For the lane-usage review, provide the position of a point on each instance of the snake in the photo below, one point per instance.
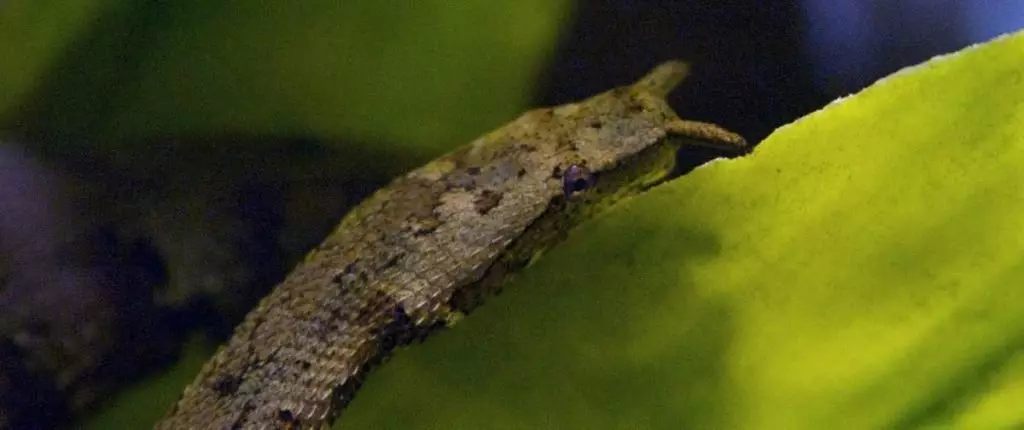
(422, 252)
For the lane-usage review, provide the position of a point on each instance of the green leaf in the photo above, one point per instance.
(862, 269)
(422, 74)
(33, 33)
(419, 76)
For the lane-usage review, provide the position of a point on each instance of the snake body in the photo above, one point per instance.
(429, 247)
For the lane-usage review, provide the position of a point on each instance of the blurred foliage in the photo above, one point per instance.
(173, 94)
(860, 270)
(32, 36)
(421, 75)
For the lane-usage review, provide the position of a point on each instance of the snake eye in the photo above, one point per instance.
(576, 179)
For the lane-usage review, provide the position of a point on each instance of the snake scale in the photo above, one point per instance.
(429, 247)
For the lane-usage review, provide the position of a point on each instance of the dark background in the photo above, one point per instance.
(110, 234)
(759, 65)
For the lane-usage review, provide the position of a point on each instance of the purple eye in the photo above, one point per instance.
(576, 179)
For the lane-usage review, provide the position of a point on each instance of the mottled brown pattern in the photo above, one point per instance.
(429, 247)
(487, 200)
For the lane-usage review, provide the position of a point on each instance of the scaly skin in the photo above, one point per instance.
(429, 247)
